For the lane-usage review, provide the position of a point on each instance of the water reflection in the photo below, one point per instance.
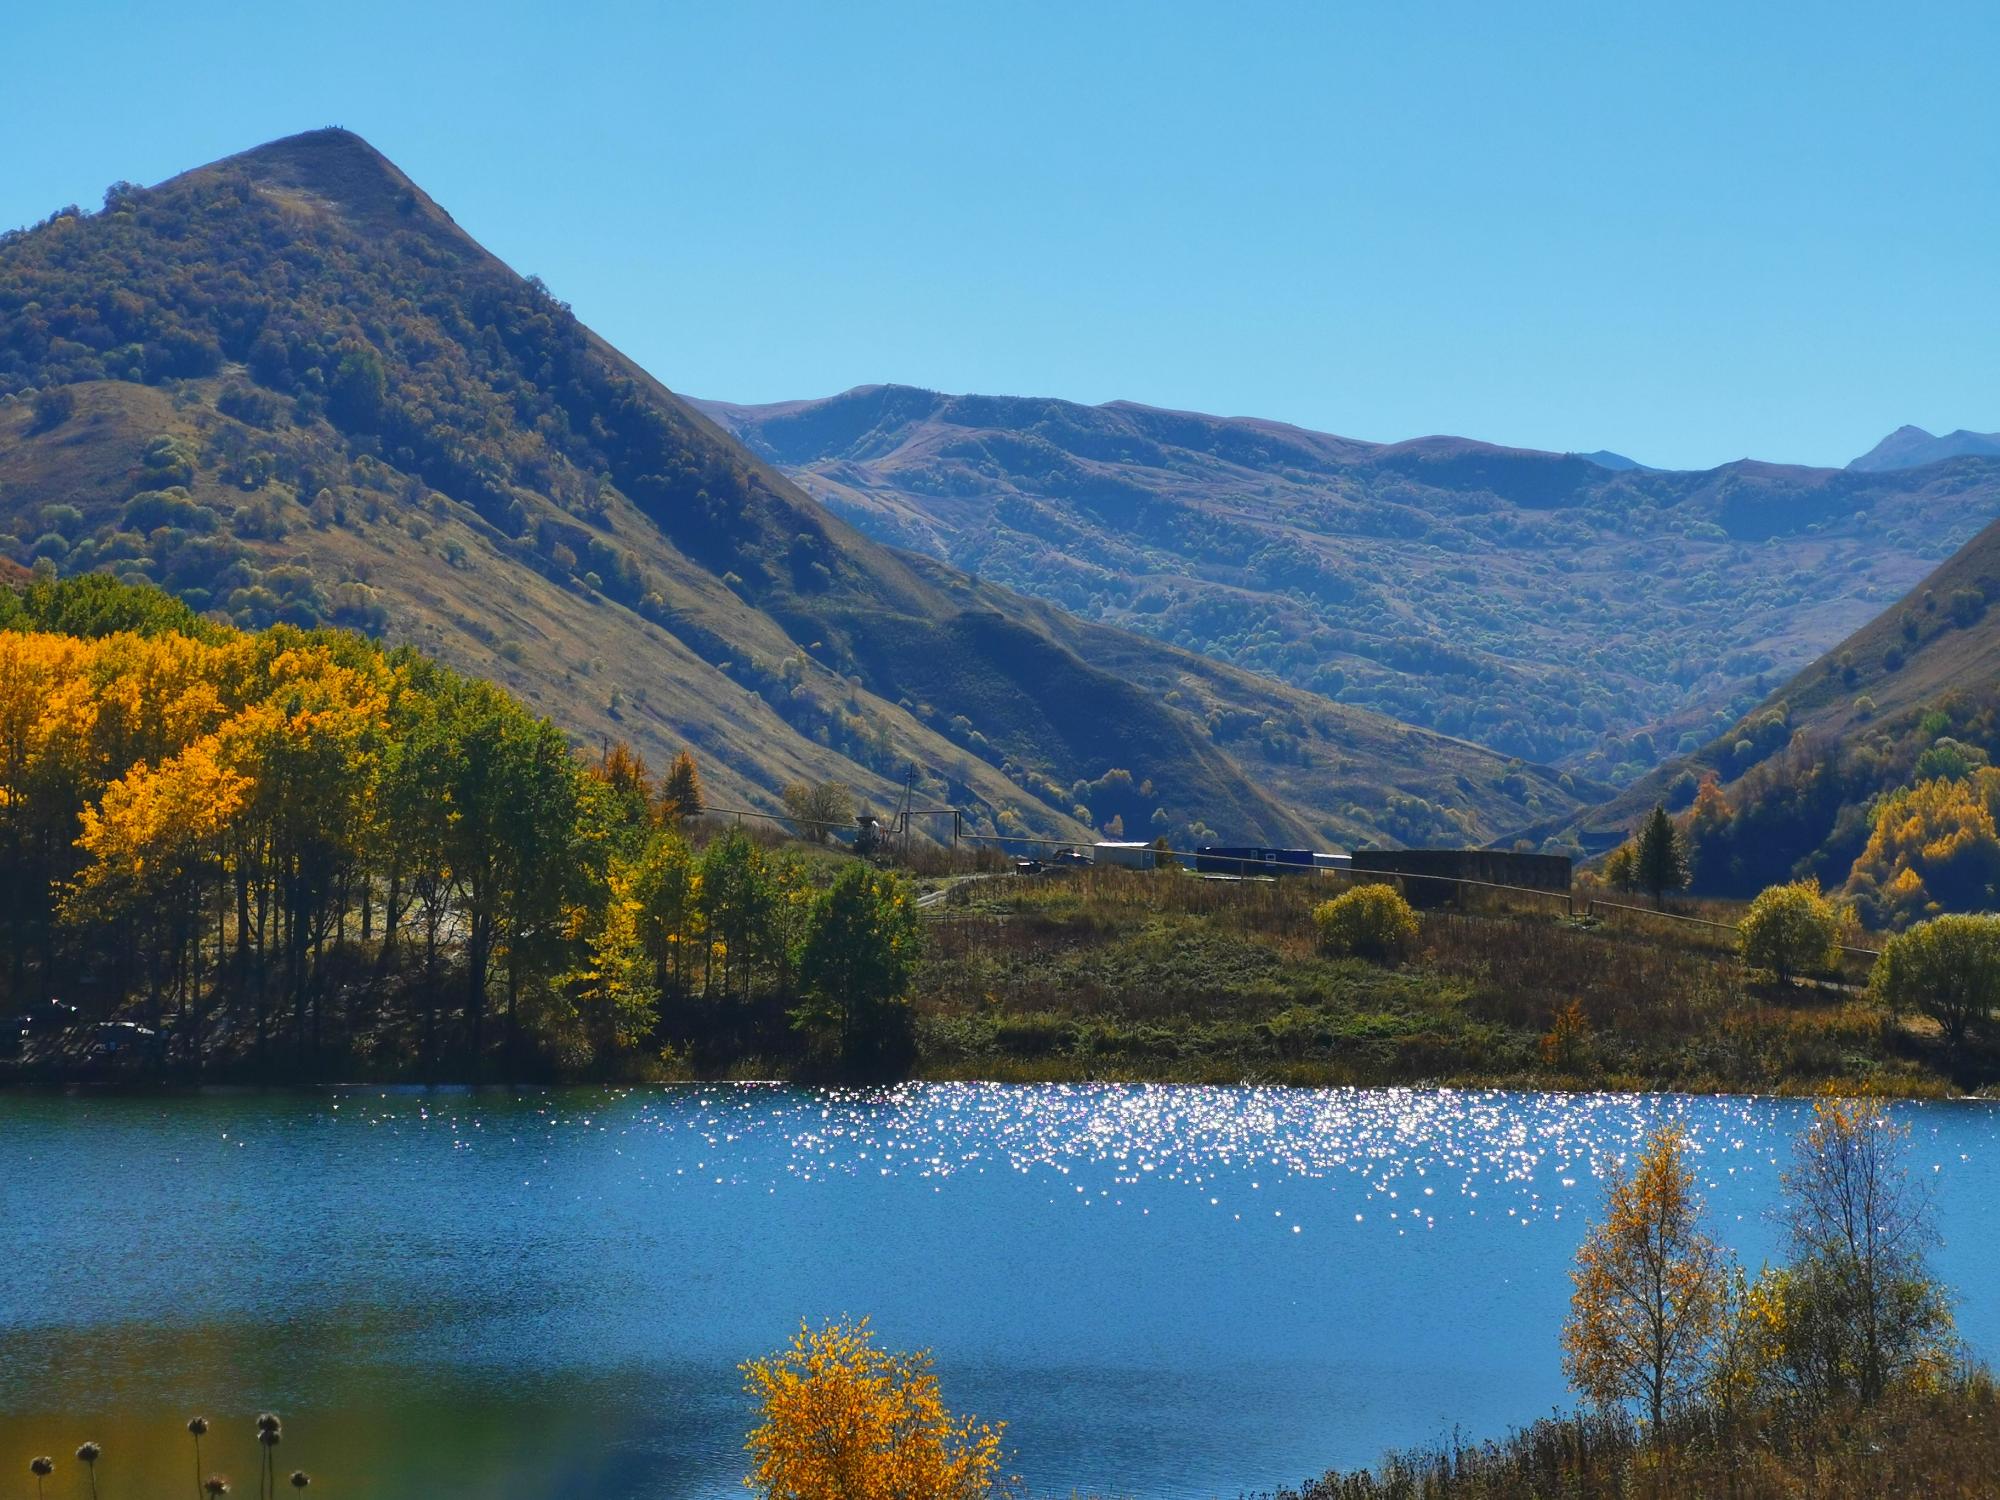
(1166, 1291)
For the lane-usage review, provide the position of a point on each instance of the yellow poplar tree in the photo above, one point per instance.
(1934, 842)
(1649, 1286)
(841, 1418)
(619, 986)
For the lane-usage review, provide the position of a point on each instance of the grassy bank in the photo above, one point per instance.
(1935, 1445)
(1112, 974)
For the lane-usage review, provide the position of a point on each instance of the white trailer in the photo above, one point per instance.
(1133, 854)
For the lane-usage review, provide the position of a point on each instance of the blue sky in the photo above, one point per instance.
(1688, 232)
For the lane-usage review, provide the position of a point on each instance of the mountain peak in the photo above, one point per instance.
(1604, 458)
(1911, 447)
(337, 167)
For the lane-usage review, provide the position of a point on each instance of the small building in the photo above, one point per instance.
(1246, 859)
(1431, 875)
(1132, 854)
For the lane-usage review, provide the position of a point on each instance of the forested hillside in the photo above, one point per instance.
(288, 388)
(1576, 610)
(1870, 771)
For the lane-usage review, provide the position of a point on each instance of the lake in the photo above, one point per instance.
(1164, 1291)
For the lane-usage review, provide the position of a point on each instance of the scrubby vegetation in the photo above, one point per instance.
(1870, 772)
(1124, 974)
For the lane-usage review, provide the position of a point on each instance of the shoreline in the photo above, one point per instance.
(1806, 1089)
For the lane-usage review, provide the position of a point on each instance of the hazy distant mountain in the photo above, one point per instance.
(1912, 447)
(1545, 604)
(288, 387)
(1604, 458)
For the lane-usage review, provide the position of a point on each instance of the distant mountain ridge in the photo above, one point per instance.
(1912, 447)
(288, 387)
(1557, 607)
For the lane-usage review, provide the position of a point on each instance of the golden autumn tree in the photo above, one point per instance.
(1649, 1286)
(618, 986)
(154, 845)
(623, 773)
(841, 1418)
(1934, 844)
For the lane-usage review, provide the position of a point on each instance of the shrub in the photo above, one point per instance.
(66, 519)
(248, 405)
(149, 510)
(840, 1415)
(1370, 921)
(1948, 967)
(54, 406)
(1790, 930)
(168, 460)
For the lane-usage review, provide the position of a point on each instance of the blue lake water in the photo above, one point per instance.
(1164, 1291)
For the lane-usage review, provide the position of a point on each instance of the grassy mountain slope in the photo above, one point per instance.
(288, 386)
(1544, 604)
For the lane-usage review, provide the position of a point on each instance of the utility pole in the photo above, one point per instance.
(903, 812)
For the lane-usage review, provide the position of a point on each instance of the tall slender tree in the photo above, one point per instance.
(1660, 862)
(1649, 1286)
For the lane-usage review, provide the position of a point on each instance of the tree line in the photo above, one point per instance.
(1945, 966)
(1661, 1314)
(292, 846)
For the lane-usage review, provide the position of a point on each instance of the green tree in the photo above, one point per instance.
(1859, 1311)
(860, 948)
(54, 405)
(513, 847)
(628, 786)
(680, 792)
(735, 899)
(1659, 861)
(358, 389)
(666, 885)
(1791, 930)
(1948, 968)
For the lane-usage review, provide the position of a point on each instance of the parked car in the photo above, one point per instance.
(122, 1037)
